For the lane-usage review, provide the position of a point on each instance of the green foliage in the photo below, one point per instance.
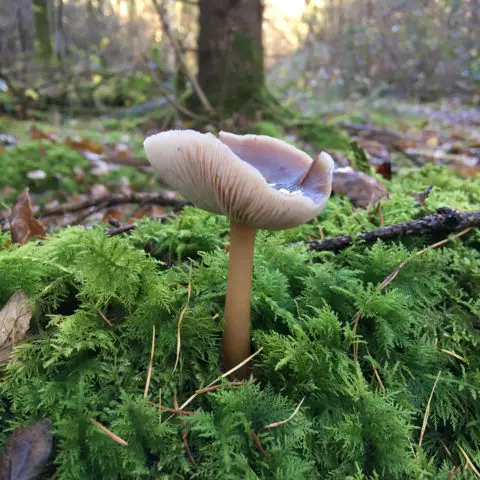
(324, 137)
(56, 161)
(361, 414)
(267, 128)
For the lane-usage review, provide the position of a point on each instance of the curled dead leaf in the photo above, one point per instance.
(361, 189)
(15, 319)
(84, 144)
(22, 222)
(37, 134)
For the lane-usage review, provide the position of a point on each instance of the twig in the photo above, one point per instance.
(150, 365)
(110, 434)
(172, 410)
(375, 372)
(164, 199)
(226, 374)
(184, 433)
(259, 445)
(216, 387)
(180, 318)
(389, 279)
(282, 422)
(178, 53)
(105, 319)
(427, 411)
(171, 100)
(445, 221)
(469, 462)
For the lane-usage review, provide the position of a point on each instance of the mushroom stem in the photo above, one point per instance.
(236, 333)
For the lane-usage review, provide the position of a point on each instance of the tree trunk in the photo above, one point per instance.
(25, 26)
(60, 38)
(42, 29)
(230, 52)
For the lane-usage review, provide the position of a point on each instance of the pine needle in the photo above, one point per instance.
(150, 365)
(469, 462)
(226, 374)
(375, 372)
(109, 434)
(453, 354)
(180, 319)
(282, 422)
(427, 411)
(389, 279)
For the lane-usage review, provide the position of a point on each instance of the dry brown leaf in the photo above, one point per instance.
(84, 144)
(14, 323)
(22, 222)
(26, 452)
(37, 134)
(358, 187)
(113, 215)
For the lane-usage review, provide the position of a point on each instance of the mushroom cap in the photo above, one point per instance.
(255, 180)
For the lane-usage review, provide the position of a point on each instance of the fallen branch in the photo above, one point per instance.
(162, 14)
(445, 221)
(164, 199)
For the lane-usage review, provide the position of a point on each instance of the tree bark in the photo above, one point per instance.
(42, 29)
(230, 52)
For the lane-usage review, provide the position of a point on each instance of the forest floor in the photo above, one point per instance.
(365, 321)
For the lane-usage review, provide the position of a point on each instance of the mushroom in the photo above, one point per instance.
(257, 182)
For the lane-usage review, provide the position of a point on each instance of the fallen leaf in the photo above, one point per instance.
(37, 134)
(84, 144)
(385, 170)
(22, 222)
(98, 191)
(26, 452)
(113, 216)
(14, 323)
(358, 187)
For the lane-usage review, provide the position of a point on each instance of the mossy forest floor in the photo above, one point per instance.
(352, 380)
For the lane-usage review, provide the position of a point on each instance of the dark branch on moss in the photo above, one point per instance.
(445, 221)
(164, 199)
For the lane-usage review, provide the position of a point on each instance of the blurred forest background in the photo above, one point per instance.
(87, 56)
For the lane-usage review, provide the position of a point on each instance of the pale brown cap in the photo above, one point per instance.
(255, 180)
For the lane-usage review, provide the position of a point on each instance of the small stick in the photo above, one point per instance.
(109, 434)
(469, 462)
(171, 410)
(104, 318)
(216, 387)
(184, 434)
(182, 314)
(427, 411)
(260, 446)
(150, 365)
(282, 422)
(375, 372)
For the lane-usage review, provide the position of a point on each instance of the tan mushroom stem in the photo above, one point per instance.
(236, 334)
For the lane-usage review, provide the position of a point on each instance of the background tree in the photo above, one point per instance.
(230, 51)
(42, 29)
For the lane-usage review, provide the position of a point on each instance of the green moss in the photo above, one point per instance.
(325, 137)
(55, 161)
(267, 128)
(74, 366)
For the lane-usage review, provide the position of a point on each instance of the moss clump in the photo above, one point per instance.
(56, 161)
(267, 128)
(359, 419)
(325, 137)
